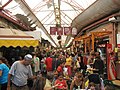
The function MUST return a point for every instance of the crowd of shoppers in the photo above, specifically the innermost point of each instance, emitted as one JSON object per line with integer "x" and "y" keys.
{"x": 57, "y": 70}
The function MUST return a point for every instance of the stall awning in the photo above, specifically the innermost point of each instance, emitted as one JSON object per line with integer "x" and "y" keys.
{"x": 20, "y": 43}
{"x": 16, "y": 38}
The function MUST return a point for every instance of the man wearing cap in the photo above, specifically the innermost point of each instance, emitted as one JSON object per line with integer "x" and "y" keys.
{"x": 19, "y": 73}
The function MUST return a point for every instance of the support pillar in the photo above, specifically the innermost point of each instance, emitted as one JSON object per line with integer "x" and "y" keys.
{"x": 93, "y": 40}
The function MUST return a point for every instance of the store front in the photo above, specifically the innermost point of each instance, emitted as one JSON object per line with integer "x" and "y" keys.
{"x": 14, "y": 53}
{"x": 15, "y": 44}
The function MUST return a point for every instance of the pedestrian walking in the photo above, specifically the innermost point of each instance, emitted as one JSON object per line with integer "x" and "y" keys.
{"x": 4, "y": 69}
{"x": 36, "y": 64}
{"x": 19, "y": 73}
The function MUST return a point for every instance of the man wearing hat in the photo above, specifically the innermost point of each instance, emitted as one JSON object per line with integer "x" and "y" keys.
{"x": 19, "y": 73}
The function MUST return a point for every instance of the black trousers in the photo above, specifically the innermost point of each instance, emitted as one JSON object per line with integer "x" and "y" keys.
{"x": 4, "y": 86}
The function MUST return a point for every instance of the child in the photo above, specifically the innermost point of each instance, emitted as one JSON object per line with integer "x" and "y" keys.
{"x": 62, "y": 85}
{"x": 78, "y": 82}
{"x": 91, "y": 86}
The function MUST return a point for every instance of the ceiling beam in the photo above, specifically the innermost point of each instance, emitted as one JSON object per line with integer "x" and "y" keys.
{"x": 24, "y": 6}
{"x": 6, "y": 4}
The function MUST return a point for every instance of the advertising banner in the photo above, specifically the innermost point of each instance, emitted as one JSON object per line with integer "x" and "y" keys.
{"x": 67, "y": 30}
{"x": 110, "y": 63}
{"x": 53, "y": 30}
{"x": 60, "y": 31}
{"x": 74, "y": 31}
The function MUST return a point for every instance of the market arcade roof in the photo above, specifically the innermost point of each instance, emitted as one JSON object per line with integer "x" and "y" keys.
{"x": 43, "y": 13}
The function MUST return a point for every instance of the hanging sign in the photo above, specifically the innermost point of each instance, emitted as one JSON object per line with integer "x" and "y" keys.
{"x": 67, "y": 30}
{"x": 60, "y": 31}
{"x": 53, "y": 30}
{"x": 118, "y": 40}
{"x": 74, "y": 31}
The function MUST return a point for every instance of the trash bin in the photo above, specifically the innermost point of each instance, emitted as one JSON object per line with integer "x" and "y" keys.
{"x": 118, "y": 69}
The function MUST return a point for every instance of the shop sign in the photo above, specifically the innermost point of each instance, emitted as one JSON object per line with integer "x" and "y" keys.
{"x": 102, "y": 45}
{"x": 118, "y": 45}
{"x": 118, "y": 40}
